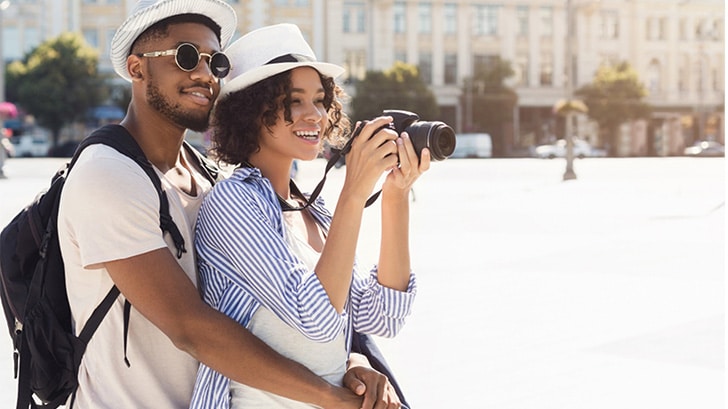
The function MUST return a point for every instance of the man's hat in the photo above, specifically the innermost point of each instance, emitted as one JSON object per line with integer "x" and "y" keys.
{"x": 148, "y": 12}
{"x": 268, "y": 51}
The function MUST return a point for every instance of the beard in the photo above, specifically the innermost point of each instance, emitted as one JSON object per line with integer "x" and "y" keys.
{"x": 197, "y": 121}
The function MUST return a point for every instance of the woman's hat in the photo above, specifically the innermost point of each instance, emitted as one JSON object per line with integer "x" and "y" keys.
{"x": 148, "y": 12}
{"x": 268, "y": 51}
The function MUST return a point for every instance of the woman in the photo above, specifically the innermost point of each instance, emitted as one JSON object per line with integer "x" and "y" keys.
{"x": 283, "y": 267}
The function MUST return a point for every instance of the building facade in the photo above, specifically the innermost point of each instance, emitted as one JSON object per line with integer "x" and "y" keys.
{"x": 676, "y": 46}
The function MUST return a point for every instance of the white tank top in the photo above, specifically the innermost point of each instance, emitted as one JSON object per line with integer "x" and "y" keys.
{"x": 326, "y": 359}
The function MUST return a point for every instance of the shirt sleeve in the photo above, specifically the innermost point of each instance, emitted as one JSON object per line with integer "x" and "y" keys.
{"x": 111, "y": 207}
{"x": 239, "y": 235}
{"x": 380, "y": 310}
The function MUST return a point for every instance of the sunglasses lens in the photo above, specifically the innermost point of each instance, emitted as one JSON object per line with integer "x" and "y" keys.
{"x": 220, "y": 65}
{"x": 187, "y": 57}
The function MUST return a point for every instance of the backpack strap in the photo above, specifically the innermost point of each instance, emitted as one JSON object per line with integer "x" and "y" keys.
{"x": 120, "y": 139}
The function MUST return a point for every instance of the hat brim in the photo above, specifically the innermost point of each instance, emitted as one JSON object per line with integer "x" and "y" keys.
{"x": 217, "y": 10}
{"x": 258, "y": 74}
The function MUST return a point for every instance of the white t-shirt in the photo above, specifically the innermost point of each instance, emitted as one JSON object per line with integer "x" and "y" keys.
{"x": 110, "y": 210}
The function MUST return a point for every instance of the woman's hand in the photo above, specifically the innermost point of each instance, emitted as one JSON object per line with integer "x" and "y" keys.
{"x": 373, "y": 152}
{"x": 402, "y": 177}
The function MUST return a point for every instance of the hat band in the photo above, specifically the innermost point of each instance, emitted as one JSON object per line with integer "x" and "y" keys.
{"x": 288, "y": 58}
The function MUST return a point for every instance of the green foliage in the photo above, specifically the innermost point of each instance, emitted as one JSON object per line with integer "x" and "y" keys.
{"x": 615, "y": 96}
{"x": 489, "y": 103}
{"x": 57, "y": 81}
{"x": 397, "y": 88}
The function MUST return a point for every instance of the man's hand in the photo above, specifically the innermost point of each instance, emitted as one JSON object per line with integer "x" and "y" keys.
{"x": 364, "y": 381}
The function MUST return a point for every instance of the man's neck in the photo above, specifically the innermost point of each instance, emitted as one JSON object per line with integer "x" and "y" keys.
{"x": 160, "y": 140}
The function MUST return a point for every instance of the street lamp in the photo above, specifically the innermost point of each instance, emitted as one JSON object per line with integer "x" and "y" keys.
{"x": 569, "y": 174}
{"x": 3, "y": 5}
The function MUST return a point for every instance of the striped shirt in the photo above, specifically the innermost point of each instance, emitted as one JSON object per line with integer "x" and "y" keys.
{"x": 245, "y": 262}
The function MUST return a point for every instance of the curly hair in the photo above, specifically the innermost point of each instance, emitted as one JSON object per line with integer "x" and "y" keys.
{"x": 238, "y": 119}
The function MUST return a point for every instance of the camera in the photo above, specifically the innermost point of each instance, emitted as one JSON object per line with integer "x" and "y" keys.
{"x": 437, "y": 136}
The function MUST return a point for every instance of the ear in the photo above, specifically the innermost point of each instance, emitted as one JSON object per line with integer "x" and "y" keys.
{"x": 134, "y": 67}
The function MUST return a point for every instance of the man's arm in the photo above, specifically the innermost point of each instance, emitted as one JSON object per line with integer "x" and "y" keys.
{"x": 158, "y": 288}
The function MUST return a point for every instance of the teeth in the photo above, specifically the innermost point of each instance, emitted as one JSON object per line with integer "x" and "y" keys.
{"x": 198, "y": 94}
{"x": 307, "y": 134}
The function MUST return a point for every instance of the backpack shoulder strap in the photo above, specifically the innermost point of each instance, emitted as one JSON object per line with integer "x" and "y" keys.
{"x": 120, "y": 139}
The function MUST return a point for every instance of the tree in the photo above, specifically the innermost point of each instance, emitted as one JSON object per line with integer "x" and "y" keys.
{"x": 615, "y": 96}
{"x": 397, "y": 88}
{"x": 489, "y": 102}
{"x": 57, "y": 82}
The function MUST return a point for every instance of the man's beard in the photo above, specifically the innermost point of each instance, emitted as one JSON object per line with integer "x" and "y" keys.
{"x": 195, "y": 120}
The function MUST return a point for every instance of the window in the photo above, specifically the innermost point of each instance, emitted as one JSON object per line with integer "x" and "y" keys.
{"x": 520, "y": 68}
{"x": 450, "y": 11}
{"x": 451, "y": 68}
{"x": 716, "y": 79}
{"x": 354, "y": 17}
{"x": 355, "y": 64}
{"x": 281, "y": 3}
{"x": 547, "y": 70}
{"x": 424, "y": 18}
{"x": 361, "y": 20}
{"x": 683, "y": 29}
{"x": 346, "y": 20}
{"x": 653, "y": 77}
{"x": 522, "y": 21}
{"x": 92, "y": 37}
{"x": 425, "y": 67}
{"x": 11, "y": 43}
{"x": 682, "y": 84}
{"x": 400, "y": 17}
{"x": 609, "y": 24}
{"x": 655, "y": 29}
{"x": 547, "y": 21}
{"x": 486, "y": 20}
{"x": 32, "y": 38}
{"x": 301, "y": 3}
{"x": 400, "y": 56}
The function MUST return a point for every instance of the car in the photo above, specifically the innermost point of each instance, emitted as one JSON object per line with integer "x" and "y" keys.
{"x": 582, "y": 149}
{"x": 705, "y": 148}
{"x": 31, "y": 145}
{"x": 473, "y": 145}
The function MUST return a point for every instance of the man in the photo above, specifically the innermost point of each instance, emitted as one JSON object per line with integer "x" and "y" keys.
{"x": 109, "y": 234}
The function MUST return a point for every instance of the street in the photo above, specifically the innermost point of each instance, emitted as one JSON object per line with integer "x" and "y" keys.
{"x": 602, "y": 292}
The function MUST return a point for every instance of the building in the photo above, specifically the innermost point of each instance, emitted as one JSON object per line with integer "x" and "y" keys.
{"x": 676, "y": 46}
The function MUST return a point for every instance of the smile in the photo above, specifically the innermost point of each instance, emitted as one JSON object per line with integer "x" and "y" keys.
{"x": 308, "y": 135}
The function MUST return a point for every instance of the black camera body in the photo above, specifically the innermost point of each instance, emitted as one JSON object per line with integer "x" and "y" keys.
{"x": 437, "y": 136}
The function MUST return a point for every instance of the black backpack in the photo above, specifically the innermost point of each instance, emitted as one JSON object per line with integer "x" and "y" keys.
{"x": 47, "y": 354}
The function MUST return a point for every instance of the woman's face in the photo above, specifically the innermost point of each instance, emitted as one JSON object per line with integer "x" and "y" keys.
{"x": 300, "y": 138}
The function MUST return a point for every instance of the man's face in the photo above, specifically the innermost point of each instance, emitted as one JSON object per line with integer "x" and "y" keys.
{"x": 184, "y": 98}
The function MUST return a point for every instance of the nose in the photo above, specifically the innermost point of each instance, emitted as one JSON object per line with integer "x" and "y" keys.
{"x": 203, "y": 69}
{"x": 314, "y": 112}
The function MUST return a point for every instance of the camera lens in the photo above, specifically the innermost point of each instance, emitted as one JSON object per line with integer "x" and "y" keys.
{"x": 436, "y": 136}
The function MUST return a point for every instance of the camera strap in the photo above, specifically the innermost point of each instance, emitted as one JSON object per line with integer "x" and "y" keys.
{"x": 286, "y": 207}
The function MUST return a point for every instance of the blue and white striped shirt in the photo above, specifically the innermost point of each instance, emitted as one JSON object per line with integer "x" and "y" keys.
{"x": 245, "y": 262}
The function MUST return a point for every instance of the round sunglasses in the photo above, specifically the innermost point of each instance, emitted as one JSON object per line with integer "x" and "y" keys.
{"x": 188, "y": 57}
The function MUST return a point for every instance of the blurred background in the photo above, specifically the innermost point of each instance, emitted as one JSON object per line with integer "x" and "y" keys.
{"x": 623, "y": 78}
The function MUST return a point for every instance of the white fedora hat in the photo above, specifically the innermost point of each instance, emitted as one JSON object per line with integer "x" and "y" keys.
{"x": 268, "y": 51}
{"x": 148, "y": 12}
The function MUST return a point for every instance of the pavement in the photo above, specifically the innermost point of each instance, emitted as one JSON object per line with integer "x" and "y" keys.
{"x": 603, "y": 292}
